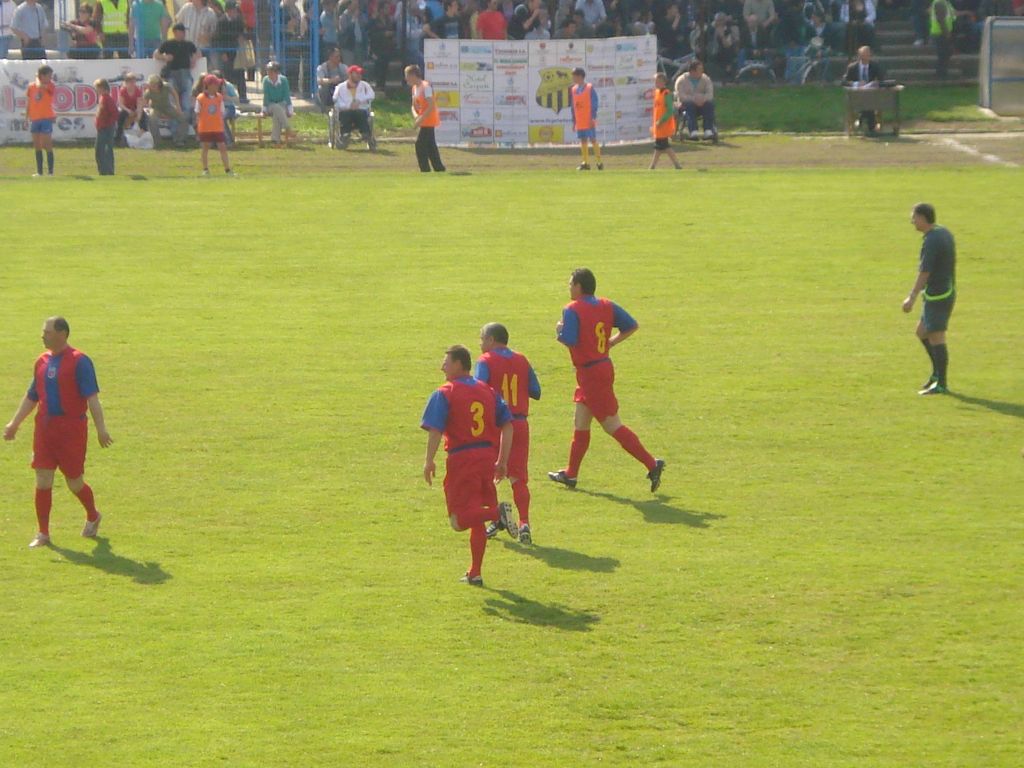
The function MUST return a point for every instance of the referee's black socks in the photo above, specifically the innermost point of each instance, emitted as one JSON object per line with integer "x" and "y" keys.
{"x": 940, "y": 357}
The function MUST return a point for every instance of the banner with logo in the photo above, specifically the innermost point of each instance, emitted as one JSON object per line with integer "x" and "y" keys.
{"x": 511, "y": 93}
{"x": 74, "y": 98}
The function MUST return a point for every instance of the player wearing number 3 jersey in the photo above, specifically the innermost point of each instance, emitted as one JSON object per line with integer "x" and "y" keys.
{"x": 510, "y": 375}
{"x": 477, "y": 430}
{"x": 588, "y": 328}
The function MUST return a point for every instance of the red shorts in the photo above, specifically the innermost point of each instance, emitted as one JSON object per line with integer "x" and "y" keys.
{"x": 469, "y": 480}
{"x": 60, "y": 442}
{"x": 520, "y": 455}
{"x": 212, "y": 138}
{"x": 596, "y": 390}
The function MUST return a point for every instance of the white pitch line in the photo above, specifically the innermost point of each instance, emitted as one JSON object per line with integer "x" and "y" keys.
{"x": 954, "y": 144}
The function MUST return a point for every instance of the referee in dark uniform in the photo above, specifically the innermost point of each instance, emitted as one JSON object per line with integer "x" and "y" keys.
{"x": 936, "y": 277}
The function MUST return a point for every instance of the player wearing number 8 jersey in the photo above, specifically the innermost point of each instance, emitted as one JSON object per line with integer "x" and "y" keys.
{"x": 588, "y": 328}
{"x": 477, "y": 430}
{"x": 510, "y": 374}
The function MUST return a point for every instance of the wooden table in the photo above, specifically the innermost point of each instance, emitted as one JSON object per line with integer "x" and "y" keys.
{"x": 873, "y": 100}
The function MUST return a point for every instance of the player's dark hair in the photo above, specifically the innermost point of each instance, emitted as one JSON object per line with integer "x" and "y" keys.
{"x": 496, "y": 331}
{"x": 414, "y": 70}
{"x": 585, "y": 279}
{"x": 59, "y": 324}
{"x": 927, "y": 210}
{"x": 46, "y": 69}
{"x": 580, "y": 71}
{"x": 695, "y": 64}
{"x": 460, "y": 355}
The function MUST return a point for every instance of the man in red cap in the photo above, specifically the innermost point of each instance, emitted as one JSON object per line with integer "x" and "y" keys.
{"x": 352, "y": 99}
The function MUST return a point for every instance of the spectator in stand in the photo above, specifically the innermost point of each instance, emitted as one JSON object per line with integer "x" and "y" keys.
{"x": 329, "y": 76}
{"x": 277, "y": 101}
{"x": 413, "y": 32}
{"x": 164, "y": 104}
{"x": 111, "y": 16}
{"x": 353, "y": 34}
{"x": 7, "y": 10}
{"x": 792, "y": 29}
{"x": 470, "y": 15}
{"x": 449, "y": 25}
{"x": 29, "y": 24}
{"x": 859, "y": 18}
{"x": 229, "y": 37}
{"x": 329, "y": 25}
{"x": 864, "y": 73}
{"x": 761, "y": 22}
{"x": 966, "y": 31}
{"x": 541, "y": 29}
{"x": 382, "y": 43}
{"x": 352, "y": 103}
{"x": 919, "y": 20}
{"x": 568, "y": 30}
{"x": 106, "y": 126}
{"x": 725, "y": 45}
{"x": 84, "y": 35}
{"x": 695, "y": 95}
{"x": 992, "y": 8}
{"x": 941, "y": 29}
{"x": 491, "y": 23}
{"x": 672, "y": 32}
{"x": 130, "y": 111}
{"x": 756, "y": 43}
{"x": 180, "y": 56}
{"x": 200, "y": 24}
{"x": 821, "y": 29}
{"x": 517, "y": 25}
{"x": 248, "y": 10}
{"x": 148, "y": 24}
{"x": 593, "y": 15}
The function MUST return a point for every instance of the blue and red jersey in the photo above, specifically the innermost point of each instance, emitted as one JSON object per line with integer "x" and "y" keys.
{"x": 509, "y": 374}
{"x": 62, "y": 384}
{"x": 587, "y": 325}
{"x": 468, "y": 412}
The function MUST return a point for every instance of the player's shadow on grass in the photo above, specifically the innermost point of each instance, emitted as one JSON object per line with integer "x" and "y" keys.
{"x": 521, "y": 610}
{"x": 657, "y": 511}
{"x": 999, "y": 406}
{"x": 566, "y": 558}
{"x": 104, "y": 558}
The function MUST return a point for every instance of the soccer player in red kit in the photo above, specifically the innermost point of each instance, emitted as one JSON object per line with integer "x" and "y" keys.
{"x": 477, "y": 430}
{"x": 64, "y": 386}
{"x": 586, "y": 328}
{"x": 510, "y": 375}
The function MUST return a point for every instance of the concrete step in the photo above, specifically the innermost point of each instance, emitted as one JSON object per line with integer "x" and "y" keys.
{"x": 921, "y": 75}
{"x": 907, "y": 50}
{"x": 918, "y": 60}
{"x": 890, "y": 37}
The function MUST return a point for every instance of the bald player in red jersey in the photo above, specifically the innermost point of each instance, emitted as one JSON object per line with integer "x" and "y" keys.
{"x": 510, "y": 374}
{"x": 477, "y": 430}
{"x": 64, "y": 386}
{"x": 586, "y": 328}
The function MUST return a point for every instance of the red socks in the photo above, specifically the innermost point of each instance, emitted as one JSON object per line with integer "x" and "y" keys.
{"x": 85, "y": 496}
{"x": 521, "y": 496}
{"x": 578, "y": 449}
{"x": 44, "y": 500}
{"x": 628, "y": 440}
{"x": 477, "y": 545}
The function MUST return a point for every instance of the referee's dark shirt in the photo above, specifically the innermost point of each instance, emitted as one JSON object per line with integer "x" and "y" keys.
{"x": 938, "y": 259}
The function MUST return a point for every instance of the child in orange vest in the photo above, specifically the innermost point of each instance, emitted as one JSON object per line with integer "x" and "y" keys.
{"x": 663, "y": 121}
{"x": 583, "y": 103}
{"x": 210, "y": 122}
{"x": 41, "y": 116}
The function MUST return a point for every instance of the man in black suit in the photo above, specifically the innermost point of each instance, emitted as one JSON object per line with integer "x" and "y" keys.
{"x": 864, "y": 73}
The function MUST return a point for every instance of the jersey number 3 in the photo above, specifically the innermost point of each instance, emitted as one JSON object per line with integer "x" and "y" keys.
{"x": 476, "y": 410}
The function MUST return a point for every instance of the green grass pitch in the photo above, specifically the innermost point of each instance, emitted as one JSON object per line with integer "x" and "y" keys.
{"x": 830, "y": 575}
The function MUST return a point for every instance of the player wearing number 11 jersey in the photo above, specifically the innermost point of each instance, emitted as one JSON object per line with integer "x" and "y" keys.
{"x": 477, "y": 430}
{"x": 510, "y": 375}
{"x": 587, "y": 329}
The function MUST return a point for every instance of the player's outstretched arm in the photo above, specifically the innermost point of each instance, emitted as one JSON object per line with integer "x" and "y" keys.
{"x": 24, "y": 409}
{"x": 433, "y": 443}
{"x": 96, "y": 411}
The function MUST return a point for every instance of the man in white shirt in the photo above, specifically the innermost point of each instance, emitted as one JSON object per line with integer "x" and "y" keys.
{"x": 7, "y": 9}
{"x": 200, "y": 23}
{"x": 352, "y": 100}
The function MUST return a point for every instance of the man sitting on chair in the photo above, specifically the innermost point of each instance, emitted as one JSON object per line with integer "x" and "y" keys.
{"x": 352, "y": 100}
{"x": 864, "y": 73}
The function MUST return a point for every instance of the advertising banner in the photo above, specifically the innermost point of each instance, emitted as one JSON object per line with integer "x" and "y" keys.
{"x": 513, "y": 93}
{"x": 74, "y": 96}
